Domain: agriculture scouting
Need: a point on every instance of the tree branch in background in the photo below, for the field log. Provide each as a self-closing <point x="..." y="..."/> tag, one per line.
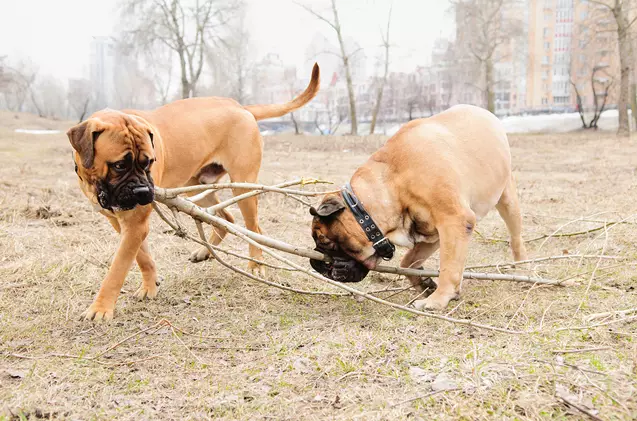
<point x="335" y="24"/>
<point x="379" y="95"/>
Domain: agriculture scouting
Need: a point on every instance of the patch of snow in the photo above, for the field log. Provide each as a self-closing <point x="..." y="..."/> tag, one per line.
<point x="37" y="131"/>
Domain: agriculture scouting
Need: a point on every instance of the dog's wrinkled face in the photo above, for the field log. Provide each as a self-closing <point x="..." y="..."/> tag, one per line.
<point x="113" y="156"/>
<point x="337" y="234"/>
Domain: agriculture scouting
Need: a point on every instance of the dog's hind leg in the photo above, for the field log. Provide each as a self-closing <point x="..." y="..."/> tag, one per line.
<point x="509" y="209"/>
<point x="217" y="234"/>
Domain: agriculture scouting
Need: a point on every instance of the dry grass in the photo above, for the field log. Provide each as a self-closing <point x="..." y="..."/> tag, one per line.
<point x="237" y="350"/>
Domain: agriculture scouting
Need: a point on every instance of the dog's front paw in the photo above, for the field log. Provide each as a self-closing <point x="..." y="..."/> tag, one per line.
<point x="98" y="312"/>
<point x="200" y="255"/>
<point x="435" y="302"/>
<point x="147" y="291"/>
<point x="256" y="269"/>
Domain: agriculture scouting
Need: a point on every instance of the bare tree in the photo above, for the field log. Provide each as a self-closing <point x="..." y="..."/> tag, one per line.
<point x="19" y="78"/>
<point x="293" y="90"/>
<point x="158" y="65"/>
<point x="187" y="27"/>
<point x="345" y="56"/>
<point x="79" y="98"/>
<point x="379" y="95"/>
<point x="489" y="26"/>
<point x="240" y="62"/>
<point x="619" y="9"/>
<point x="333" y="115"/>
<point x="49" y="97"/>
<point x="606" y="84"/>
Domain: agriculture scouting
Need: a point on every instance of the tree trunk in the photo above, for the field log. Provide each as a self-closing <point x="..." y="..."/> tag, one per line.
<point x="348" y="74"/>
<point x="633" y="102"/>
<point x="624" y="69"/>
<point x="379" y="97"/>
<point x="489" y="85"/>
<point x="185" y="85"/>
<point x="296" y="124"/>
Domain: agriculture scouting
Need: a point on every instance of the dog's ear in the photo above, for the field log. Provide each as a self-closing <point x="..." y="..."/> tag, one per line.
<point x="330" y="206"/>
<point x="82" y="138"/>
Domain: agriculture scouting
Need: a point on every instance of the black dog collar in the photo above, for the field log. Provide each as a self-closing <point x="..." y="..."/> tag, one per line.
<point x="384" y="248"/>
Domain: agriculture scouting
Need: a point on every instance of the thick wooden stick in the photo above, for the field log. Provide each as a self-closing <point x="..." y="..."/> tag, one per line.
<point x="233" y="229"/>
<point x="195" y="211"/>
<point x="171" y="193"/>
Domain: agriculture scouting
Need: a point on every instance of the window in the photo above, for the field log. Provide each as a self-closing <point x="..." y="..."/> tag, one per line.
<point x="546" y="32"/>
<point x="545" y="60"/>
<point x="547" y="45"/>
<point x="545" y="75"/>
<point x="583" y="14"/>
<point x="545" y="101"/>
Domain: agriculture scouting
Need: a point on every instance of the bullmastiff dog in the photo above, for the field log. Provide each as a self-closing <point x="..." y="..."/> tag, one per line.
<point x="120" y="155"/>
<point x="425" y="189"/>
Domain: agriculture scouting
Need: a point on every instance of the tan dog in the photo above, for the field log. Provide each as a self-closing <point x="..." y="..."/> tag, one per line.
<point x="424" y="189"/>
<point x="120" y="155"/>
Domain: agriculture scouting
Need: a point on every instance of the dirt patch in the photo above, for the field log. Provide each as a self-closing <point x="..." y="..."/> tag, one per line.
<point x="237" y="350"/>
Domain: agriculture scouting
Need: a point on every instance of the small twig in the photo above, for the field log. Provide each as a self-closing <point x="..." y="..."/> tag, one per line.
<point x="424" y="396"/>
<point x="128" y="338"/>
<point x="590" y="281"/>
<point x="413" y="300"/>
<point x="580" y="350"/>
<point x="172" y="193"/>
<point x="554" y="233"/>
<point x="251" y="276"/>
<point x="626" y="319"/>
<point x="544" y="259"/>
<point x="544" y="314"/>
<point x="526" y="296"/>
<point x="172" y="329"/>
<point x="579" y="408"/>
<point x="595" y="316"/>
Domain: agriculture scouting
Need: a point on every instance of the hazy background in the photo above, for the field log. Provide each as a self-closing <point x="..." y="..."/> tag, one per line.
<point x="387" y="62"/>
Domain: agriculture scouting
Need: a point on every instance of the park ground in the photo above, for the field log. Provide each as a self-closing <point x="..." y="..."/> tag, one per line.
<point x="236" y="349"/>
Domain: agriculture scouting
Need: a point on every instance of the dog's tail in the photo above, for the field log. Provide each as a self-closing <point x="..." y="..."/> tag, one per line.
<point x="261" y="112"/>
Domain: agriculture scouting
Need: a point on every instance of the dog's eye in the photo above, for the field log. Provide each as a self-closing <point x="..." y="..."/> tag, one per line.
<point x="75" y="168"/>
<point x="120" y="166"/>
<point x="148" y="164"/>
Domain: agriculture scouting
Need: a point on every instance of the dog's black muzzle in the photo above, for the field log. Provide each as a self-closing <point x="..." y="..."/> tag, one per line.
<point x="342" y="268"/>
<point x="125" y="195"/>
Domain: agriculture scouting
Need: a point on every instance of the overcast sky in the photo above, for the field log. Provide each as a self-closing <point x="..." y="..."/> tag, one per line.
<point x="56" y="34"/>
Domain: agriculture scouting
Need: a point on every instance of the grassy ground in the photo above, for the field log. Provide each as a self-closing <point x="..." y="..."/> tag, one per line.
<point x="239" y="350"/>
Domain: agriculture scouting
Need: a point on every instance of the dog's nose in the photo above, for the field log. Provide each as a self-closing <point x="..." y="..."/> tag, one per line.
<point x="141" y="190"/>
<point x="144" y="194"/>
